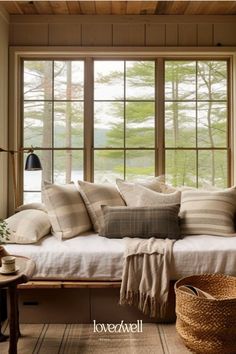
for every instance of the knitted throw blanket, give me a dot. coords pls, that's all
(145, 278)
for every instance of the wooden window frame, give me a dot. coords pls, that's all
(65, 53)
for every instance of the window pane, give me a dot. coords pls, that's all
(212, 124)
(68, 124)
(180, 80)
(108, 80)
(37, 80)
(108, 165)
(180, 124)
(140, 164)
(140, 124)
(181, 167)
(140, 80)
(38, 124)
(68, 166)
(68, 80)
(109, 124)
(212, 168)
(32, 180)
(212, 80)
(32, 197)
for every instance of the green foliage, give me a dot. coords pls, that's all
(4, 232)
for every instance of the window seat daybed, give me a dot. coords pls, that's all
(78, 280)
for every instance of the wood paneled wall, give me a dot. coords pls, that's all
(114, 31)
(3, 110)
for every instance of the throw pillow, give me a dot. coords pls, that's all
(66, 210)
(35, 206)
(155, 184)
(28, 226)
(143, 222)
(137, 195)
(208, 212)
(95, 195)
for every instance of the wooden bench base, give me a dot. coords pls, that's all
(80, 302)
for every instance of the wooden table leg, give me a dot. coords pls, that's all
(17, 315)
(13, 323)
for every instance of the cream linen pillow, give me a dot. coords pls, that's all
(95, 195)
(66, 210)
(155, 183)
(137, 195)
(208, 212)
(28, 226)
(35, 206)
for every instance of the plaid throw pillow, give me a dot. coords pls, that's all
(143, 222)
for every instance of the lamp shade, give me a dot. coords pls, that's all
(32, 163)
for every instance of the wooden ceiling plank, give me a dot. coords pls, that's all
(88, 7)
(163, 7)
(59, 7)
(218, 7)
(195, 8)
(148, 7)
(232, 9)
(133, 7)
(118, 7)
(103, 7)
(27, 7)
(178, 8)
(12, 7)
(74, 7)
(43, 7)
(121, 7)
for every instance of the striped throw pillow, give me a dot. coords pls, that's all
(66, 210)
(208, 212)
(95, 195)
(143, 222)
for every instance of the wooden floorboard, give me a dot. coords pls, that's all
(81, 339)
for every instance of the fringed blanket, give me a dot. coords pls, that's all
(145, 279)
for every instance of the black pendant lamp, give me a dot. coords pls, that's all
(32, 162)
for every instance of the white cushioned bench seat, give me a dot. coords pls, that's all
(92, 257)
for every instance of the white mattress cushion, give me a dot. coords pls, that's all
(92, 257)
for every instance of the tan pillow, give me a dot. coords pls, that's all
(95, 195)
(35, 206)
(208, 212)
(28, 226)
(154, 183)
(66, 210)
(137, 195)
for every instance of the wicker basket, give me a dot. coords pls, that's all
(207, 326)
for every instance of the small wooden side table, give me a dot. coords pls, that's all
(25, 272)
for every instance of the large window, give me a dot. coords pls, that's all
(187, 140)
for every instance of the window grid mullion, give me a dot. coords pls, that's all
(53, 111)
